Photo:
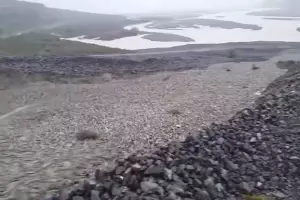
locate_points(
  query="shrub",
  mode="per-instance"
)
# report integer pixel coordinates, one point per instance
(174, 112)
(255, 67)
(166, 78)
(86, 135)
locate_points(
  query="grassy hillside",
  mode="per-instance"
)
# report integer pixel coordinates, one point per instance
(27, 29)
(44, 44)
(23, 17)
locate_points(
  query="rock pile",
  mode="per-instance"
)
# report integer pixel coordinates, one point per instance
(255, 155)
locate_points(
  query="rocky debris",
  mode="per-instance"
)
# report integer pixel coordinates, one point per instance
(86, 135)
(223, 161)
(57, 69)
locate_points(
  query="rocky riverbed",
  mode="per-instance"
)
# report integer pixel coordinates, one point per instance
(47, 108)
(254, 155)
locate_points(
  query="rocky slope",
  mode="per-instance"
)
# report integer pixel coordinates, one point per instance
(255, 155)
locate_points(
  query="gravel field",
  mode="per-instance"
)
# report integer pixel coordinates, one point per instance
(254, 155)
(129, 115)
(40, 120)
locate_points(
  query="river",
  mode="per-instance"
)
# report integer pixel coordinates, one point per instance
(272, 30)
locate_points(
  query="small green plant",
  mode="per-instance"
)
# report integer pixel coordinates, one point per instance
(255, 67)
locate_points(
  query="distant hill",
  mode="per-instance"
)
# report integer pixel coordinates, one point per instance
(30, 44)
(22, 17)
(33, 29)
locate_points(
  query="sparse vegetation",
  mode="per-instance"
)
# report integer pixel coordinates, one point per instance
(255, 67)
(86, 135)
(166, 78)
(174, 112)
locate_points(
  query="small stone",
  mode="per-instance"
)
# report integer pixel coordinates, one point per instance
(258, 93)
(77, 198)
(202, 195)
(230, 165)
(116, 190)
(168, 174)
(119, 170)
(149, 186)
(177, 189)
(198, 183)
(224, 174)
(294, 158)
(172, 196)
(132, 182)
(209, 171)
(190, 138)
(259, 136)
(155, 171)
(100, 175)
(95, 195)
(211, 189)
(64, 194)
(136, 167)
(209, 181)
(219, 187)
(220, 141)
(245, 187)
(253, 140)
(279, 195)
(261, 179)
(190, 167)
(259, 184)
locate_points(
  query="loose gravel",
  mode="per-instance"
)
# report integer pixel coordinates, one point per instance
(254, 155)
(128, 115)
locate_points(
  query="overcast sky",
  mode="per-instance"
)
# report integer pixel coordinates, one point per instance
(141, 6)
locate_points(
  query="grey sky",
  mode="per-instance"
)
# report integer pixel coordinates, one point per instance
(140, 6)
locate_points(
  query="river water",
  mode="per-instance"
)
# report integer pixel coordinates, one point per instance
(272, 30)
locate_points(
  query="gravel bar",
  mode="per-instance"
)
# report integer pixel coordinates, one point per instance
(254, 155)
